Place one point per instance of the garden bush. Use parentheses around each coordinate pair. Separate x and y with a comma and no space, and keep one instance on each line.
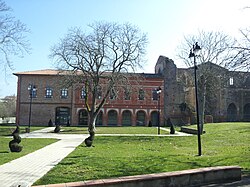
(14,144)
(50,124)
(57,129)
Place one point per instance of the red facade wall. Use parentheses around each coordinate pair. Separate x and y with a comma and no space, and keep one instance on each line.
(148,105)
(44,109)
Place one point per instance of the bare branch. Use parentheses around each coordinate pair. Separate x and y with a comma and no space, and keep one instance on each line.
(12,36)
(215,48)
(241,58)
(216,53)
(101,58)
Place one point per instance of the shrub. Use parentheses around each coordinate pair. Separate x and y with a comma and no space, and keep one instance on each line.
(169,123)
(14,144)
(50,124)
(68,123)
(57,129)
(88,142)
(15,147)
(172,131)
(17,130)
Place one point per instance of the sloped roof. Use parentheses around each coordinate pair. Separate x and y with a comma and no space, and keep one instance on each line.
(60,72)
(41,72)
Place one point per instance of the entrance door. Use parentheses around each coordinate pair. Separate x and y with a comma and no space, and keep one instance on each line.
(126,118)
(62,116)
(246,112)
(140,118)
(112,118)
(154,118)
(231,112)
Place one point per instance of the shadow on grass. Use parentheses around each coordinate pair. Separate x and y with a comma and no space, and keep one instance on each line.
(67,163)
(4,152)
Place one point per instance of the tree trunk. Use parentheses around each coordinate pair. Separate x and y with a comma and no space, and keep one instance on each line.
(89,141)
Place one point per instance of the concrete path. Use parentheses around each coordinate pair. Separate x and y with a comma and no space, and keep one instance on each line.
(24,171)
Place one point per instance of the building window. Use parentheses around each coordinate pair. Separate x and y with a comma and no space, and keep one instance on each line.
(112,95)
(64,93)
(127,94)
(141,94)
(154,95)
(231,81)
(48,92)
(83,93)
(32,91)
(99,92)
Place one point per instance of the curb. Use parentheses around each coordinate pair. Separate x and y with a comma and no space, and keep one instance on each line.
(201,176)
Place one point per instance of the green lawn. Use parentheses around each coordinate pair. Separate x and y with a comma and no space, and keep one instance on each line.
(29,145)
(6,130)
(223,144)
(114,130)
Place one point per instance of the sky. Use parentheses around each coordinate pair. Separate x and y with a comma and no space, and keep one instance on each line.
(165,22)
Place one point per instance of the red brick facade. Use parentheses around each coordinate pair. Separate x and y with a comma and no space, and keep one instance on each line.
(48,102)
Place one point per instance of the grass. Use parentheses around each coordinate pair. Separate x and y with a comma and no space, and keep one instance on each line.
(6,130)
(113,130)
(29,145)
(223,144)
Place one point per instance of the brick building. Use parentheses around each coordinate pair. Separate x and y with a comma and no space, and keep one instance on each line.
(66,105)
(231,102)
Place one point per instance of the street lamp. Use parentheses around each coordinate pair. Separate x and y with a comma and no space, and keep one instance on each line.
(158,91)
(193,53)
(32,90)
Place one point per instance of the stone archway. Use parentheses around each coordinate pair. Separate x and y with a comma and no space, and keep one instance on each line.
(231,112)
(154,118)
(246,112)
(126,118)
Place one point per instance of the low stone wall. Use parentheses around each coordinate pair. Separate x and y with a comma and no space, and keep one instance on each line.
(220,174)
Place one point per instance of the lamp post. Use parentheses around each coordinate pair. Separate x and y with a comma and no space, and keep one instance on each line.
(193,53)
(158,91)
(32,89)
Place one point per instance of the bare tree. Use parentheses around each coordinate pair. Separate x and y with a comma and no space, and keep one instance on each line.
(12,36)
(216,49)
(102,60)
(3,110)
(8,106)
(241,58)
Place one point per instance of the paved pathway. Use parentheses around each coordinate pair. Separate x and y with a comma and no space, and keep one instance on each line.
(24,171)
